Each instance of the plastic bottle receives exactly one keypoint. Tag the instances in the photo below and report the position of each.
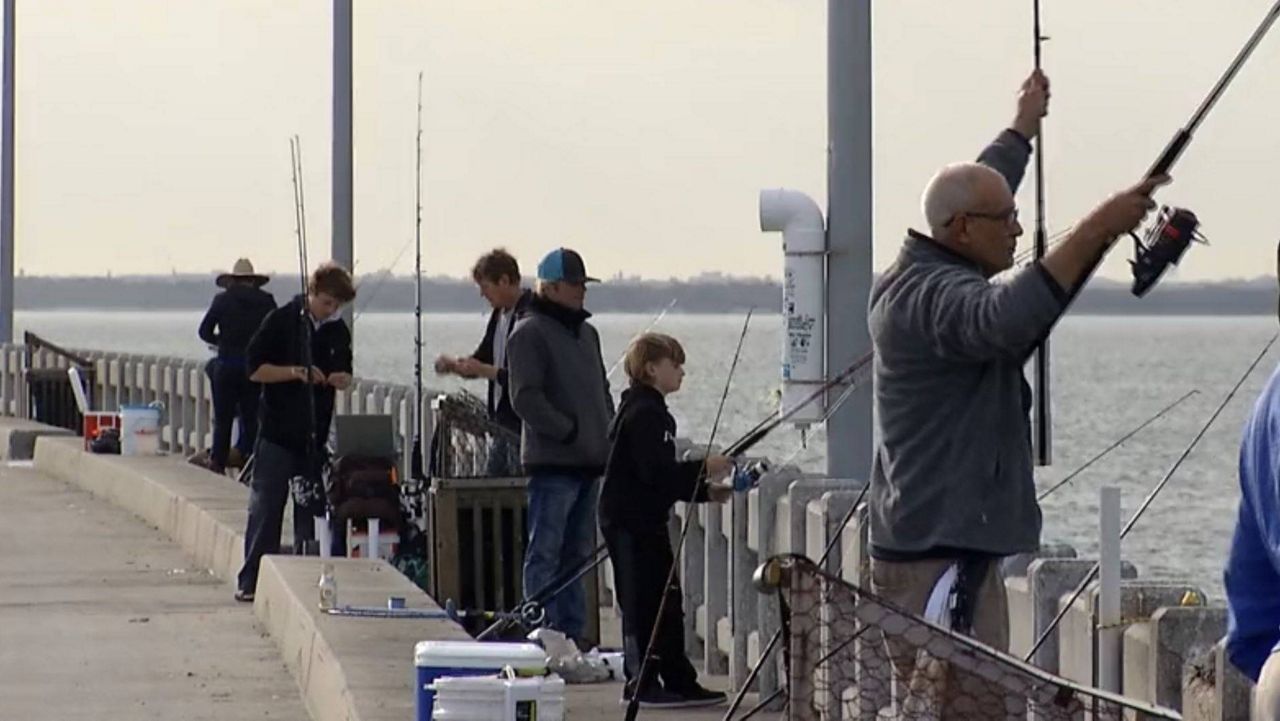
(328, 587)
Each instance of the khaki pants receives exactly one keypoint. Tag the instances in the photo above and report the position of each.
(923, 684)
(1266, 695)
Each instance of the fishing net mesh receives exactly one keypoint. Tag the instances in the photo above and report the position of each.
(850, 655)
(467, 443)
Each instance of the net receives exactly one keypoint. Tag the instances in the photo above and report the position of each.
(848, 654)
(467, 443)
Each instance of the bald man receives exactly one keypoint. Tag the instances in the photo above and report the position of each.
(952, 489)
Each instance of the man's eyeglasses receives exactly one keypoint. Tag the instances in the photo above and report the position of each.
(1008, 217)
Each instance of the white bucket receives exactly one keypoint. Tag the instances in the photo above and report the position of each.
(494, 698)
(139, 430)
(438, 659)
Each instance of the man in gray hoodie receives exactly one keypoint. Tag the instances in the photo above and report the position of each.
(952, 485)
(558, 387)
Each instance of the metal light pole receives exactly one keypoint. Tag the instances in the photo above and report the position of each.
(849, 226)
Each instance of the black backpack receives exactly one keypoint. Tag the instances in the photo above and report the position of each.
(364, 487)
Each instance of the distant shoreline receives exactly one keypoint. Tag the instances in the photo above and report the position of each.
(708, 294)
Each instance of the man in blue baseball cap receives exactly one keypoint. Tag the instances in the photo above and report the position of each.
(559, 388)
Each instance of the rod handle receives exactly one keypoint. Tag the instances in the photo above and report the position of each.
(1170, 154)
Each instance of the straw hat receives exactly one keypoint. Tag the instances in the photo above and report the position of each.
(242, 270)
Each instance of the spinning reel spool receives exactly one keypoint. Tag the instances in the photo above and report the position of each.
(1166, 241)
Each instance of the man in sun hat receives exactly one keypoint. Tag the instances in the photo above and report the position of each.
(232, 318)
(558, 387)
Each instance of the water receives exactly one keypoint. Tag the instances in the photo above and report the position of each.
(1110, 374)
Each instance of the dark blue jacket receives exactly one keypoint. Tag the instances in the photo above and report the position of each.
(233, 317)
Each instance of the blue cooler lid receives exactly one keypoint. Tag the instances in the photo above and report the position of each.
(525, 657)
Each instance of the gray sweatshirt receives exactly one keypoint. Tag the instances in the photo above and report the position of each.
(558, 387)
(953, 470)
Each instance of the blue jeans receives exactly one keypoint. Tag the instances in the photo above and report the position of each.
(273, 467)
(562, 513)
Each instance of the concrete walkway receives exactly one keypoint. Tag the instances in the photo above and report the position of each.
(344, 669)
(103, 617)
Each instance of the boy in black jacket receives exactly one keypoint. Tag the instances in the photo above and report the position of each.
(643, 481)
(276, 360)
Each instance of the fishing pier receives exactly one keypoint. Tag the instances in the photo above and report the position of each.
(1168, 650)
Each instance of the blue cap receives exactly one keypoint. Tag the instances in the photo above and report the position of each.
(564, 264)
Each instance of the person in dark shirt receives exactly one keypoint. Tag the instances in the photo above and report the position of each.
(560, 391)
(642, 482)
(284, 450)
(498, 275)
(232, 318)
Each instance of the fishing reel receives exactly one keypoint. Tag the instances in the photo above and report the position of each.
(1166, 241)
(747, 475)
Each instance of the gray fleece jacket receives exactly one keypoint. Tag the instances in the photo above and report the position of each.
(556, 379)
(952, 471)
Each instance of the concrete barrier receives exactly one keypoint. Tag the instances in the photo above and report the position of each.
(1078, 634)
(1213, 689)
(18, 437)
(347, 668)
(1156, 650)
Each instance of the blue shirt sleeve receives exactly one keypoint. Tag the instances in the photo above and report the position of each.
(1251, 581)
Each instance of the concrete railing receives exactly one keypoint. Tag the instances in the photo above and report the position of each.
(182, 386)
(1171, 654)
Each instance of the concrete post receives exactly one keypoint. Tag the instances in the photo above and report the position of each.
(1155, 651)
(714, 581)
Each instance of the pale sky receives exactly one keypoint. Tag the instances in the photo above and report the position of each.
(153, 134)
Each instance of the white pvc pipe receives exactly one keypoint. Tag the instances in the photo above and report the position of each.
(804, 244)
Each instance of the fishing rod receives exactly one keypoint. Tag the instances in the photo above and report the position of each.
(848, 517)
(1025, 257)
(633, 706)
(1146, 502)
(1114, 446)
(416, 464)
(531, 610)
(367, 299)
(305, 492)
(1176, 228)
(855, 375)
(757, 469)
(657, 319)
(1042, 421)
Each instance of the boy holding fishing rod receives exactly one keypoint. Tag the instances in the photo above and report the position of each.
(276, 359)
(643, 481)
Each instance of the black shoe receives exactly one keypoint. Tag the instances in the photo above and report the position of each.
(696, 695)
(658, 697)
(244, 596)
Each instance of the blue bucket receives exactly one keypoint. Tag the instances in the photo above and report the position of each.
(438, 659)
